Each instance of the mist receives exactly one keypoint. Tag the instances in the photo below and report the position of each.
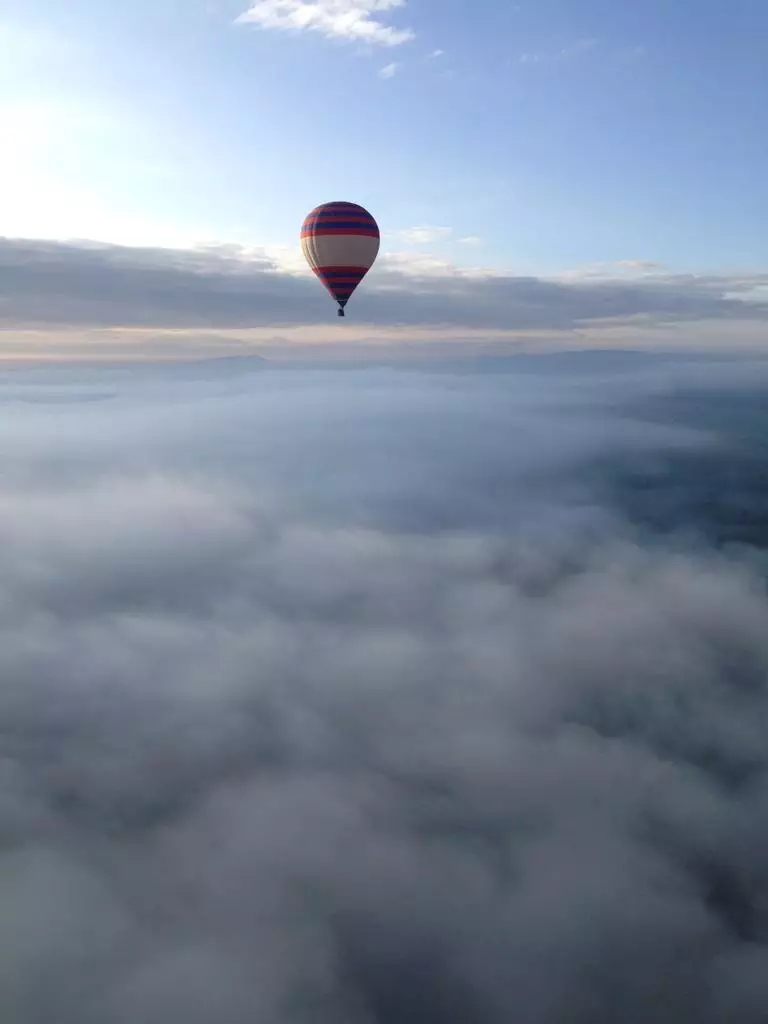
(381, 695)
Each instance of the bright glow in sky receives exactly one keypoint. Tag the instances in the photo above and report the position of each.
(552, 134)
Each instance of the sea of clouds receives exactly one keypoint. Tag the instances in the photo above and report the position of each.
(365, 697)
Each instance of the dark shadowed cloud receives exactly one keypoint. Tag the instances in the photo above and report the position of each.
(44, 284)
(377, 697)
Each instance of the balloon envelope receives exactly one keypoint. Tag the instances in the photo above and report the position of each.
(340, 242)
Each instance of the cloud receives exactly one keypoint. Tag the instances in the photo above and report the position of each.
(577, 47)
(355, 20)
(630, 269)
(352, 696)
(471, 240)
(424, 235)
(639, 264)
(51, 285)
(565, 53)
(388, 71)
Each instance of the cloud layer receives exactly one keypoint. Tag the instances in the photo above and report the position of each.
(351, 697)
(356, 20)
(52, 284)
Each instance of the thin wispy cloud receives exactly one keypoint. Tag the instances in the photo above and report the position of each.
(565, 53)
(389, 71)
(424, 235)
(630, 269)
(355, 20)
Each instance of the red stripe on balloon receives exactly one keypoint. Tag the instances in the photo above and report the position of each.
(339, 267)
(319, 231)
(341, 214)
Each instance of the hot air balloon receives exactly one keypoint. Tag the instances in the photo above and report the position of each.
(340, 242)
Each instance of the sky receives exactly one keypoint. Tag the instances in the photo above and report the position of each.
(560, 139)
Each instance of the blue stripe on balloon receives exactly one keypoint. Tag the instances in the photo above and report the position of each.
(329, 223)
(340, 218)
(352, 214)
(341, 208)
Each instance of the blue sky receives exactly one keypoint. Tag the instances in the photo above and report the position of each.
(553, 135)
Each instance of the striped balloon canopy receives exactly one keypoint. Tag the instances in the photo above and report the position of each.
(340, 242)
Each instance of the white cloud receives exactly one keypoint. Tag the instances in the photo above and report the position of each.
(639, 264)
(437, 53)
(575, 49)
(427, 234)
(424, 235)
(358, 20)
(631, 268)
(414, 264)
(389, 71)
(289, 259)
